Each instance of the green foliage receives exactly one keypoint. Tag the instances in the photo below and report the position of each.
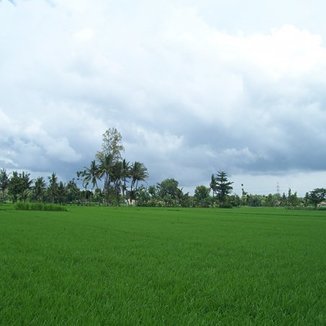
(254, 200)
(112, 144)
(317, 196)
(19, 186)
(292, 199)
(53, 189)
(221, 187)
(72, 192)
(26, 206)
(169, 192)
(89, 175)
(202, 197)
(4, 182)
(135, 266)
(138, 172)
(123, 184)
(39, 189)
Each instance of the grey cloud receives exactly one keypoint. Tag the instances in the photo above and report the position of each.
(187, 97)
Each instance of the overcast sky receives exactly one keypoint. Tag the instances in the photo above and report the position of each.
(193, 86)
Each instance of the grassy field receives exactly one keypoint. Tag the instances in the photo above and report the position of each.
(137, 266)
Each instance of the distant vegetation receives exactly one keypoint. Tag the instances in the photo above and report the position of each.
(112, 180)
(26, 206)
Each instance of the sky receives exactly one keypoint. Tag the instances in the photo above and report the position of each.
(194, 87)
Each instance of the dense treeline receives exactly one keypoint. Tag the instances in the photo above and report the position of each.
(111, 180)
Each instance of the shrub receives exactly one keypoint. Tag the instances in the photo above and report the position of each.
(26, 206)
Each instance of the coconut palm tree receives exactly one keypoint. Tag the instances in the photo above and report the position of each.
(53, 187)
(138, 172)
(105, 166)
(125, 175)
(39, 189)
(89, 175)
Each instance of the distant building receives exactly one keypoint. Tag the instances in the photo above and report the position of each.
(322, 204)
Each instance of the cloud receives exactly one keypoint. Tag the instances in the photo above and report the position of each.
(188, 97)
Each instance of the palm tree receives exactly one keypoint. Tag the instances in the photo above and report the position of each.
(106, 162)
(138, 172)
(53, 187)
(39, 189)
(116, 178)
(125, 175)
(89, 175)
(212, 185)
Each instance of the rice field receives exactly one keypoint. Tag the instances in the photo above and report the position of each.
(158, 266)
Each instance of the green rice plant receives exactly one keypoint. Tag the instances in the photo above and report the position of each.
(158, 266)
(28, 206)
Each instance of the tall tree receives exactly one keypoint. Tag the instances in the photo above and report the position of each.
(72, 191)
(201, 196)
(317, 195)
(107, 158)
(105, 166)
(169, 192)
(19, 185)
(89, 175)
(39, 189)
(213, 185)
(116, 178)
(138, 172)
(111, 145)
(62, 196)
(221, 186)
(4, 182)
(125, 175)
(53, 189)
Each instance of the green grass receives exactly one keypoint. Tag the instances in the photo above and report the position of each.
(137, 266)
(27, 206)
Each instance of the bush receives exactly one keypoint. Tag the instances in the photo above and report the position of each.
(25, 206)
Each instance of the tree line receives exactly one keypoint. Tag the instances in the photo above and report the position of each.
(111, 179)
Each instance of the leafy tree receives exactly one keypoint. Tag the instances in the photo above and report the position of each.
(53, 189)
(317, 196)
(221, 186)
(213, 185)
(169, 192)
(234, 201)
(39, 189)
(138, 172)
(153, 191)
(272, 200)
(125, 174)
(254, 200)
(201, 196)
(98, 195)
(112, 144)
(283, 200)
(89, 175)
(107, 158)
(116, 178)
(72, 192)
(61, 193)
(105, 166)
(306, 199)
(185, 200)
(19, 186)
(143, 196)
(4, 182)
(292, 199)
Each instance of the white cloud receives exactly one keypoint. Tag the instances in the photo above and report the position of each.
(188, 97)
